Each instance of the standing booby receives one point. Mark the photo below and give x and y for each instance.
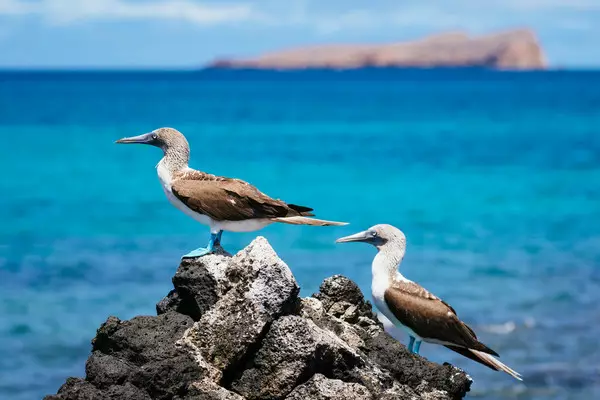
(224, 204)
(412, 308)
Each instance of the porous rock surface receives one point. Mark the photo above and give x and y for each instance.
(234, 328)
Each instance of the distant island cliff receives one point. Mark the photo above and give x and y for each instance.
(516, 49)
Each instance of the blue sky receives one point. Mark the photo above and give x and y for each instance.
(188, 33)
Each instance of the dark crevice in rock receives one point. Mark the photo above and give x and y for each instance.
(170, 302)
(235, 371)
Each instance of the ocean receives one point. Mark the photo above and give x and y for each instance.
(494, 177)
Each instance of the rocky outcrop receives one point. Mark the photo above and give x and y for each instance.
(234, 328)
(517, 49)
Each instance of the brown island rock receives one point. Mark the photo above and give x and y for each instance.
(513, 50)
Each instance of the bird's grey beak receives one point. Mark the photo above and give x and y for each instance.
(146, 138)
(363, 236)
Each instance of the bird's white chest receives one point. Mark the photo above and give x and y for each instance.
(378, 292)
(380, 283)
(380, 280)
(165, 178)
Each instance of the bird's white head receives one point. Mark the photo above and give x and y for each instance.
(389, 240)
(380, 236)
(165, 138)
(172, 142)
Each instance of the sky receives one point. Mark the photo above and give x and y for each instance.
(190, 33)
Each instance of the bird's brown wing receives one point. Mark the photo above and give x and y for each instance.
(429, 317)
(224, 199)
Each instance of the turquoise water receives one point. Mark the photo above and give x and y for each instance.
(494, 178)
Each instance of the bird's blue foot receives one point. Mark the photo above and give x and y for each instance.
(411, 343)
(417, 346)
(199, 252)
(215, 240)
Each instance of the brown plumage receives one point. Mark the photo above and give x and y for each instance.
(429, 317)
(225, 199)
(228, 199)
(435, 320)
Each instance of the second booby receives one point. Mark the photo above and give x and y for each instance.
(224, 204)
(408, 306)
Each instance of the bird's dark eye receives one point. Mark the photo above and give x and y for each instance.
(154, 137)
(373, 234)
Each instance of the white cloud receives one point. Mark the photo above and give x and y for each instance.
(15, 7)
(66, 11)
(324, 17)
(554, 5)
(471, 15)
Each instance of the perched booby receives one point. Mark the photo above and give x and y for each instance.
(412, 308)
(224, 204)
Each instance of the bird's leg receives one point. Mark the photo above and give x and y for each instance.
(218, 239)
(411, 343)
(204, 250)
(417, 346)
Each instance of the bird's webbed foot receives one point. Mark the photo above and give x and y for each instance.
(199, 252)
(215, 240)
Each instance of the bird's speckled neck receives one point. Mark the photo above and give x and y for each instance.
(176, 158)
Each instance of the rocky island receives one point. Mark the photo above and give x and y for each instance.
(234, 328)
(517, 49)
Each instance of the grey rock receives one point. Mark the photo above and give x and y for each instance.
(398, 391)
(171, 302)
(233, 328)
(294, 350)
(105, 370)
(263, 289)
(142, 353)
(142, 339)
(314, 310)
(411, 370)
(126, 391)
(80, 389)
(76, 389)
(338, 294)
(198, 284)
(321, 388)
(165, 378)
(208, 390)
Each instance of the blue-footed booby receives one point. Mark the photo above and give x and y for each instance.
(224, 204)
(410, 307)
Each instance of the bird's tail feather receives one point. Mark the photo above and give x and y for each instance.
(491, 360)
(297, 220)
(304, 211)
(487, 360)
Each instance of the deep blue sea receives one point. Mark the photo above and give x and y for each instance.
(493, 176)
